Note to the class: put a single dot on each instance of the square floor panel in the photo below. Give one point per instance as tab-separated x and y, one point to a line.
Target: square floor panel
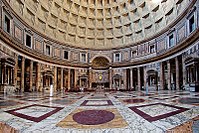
157	111
83	119
34	112
97	103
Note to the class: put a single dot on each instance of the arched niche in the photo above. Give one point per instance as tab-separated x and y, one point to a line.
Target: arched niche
100	62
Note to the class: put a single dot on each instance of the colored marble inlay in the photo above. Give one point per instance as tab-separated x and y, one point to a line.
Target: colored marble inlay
5	128
189	100
98	97
87	119
73	97
34	112
182	94
8	103
136	100
97	103
192	126
154	112
62	101
164	97
93	117
16	97
144	94
34	98
127	96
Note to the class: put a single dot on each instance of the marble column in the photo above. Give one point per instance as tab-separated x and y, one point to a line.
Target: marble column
12	76
90	78
139	81
22	73
62	78
68	79
76	77
132	82
38	77
8	76
15	71
196	70
65	78
124	79
4	74
145	77
162	76
131	78
55	79
31	74
183	71
177	74
110	78
169	74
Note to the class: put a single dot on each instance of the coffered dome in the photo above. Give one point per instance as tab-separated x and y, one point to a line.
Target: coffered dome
99	24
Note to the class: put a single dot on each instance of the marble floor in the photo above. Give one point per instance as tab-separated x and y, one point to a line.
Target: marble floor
107	112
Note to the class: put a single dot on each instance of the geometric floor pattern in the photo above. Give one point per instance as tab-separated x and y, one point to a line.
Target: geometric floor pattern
128	112
34	112
151	112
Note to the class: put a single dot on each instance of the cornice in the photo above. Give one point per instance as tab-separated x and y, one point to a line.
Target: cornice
22	49
29	52
179	47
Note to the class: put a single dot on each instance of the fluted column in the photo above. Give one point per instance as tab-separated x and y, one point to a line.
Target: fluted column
76	77
162	75
22	73
8	76
4	75
62	78
90	77
132	81
169	74
15	71
31	74
110	78
139	81
68	79
124	79
177	74
145	77
55	79
12	76
131	78
183	71
38	77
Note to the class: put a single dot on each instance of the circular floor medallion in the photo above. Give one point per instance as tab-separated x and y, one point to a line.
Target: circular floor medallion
93	117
